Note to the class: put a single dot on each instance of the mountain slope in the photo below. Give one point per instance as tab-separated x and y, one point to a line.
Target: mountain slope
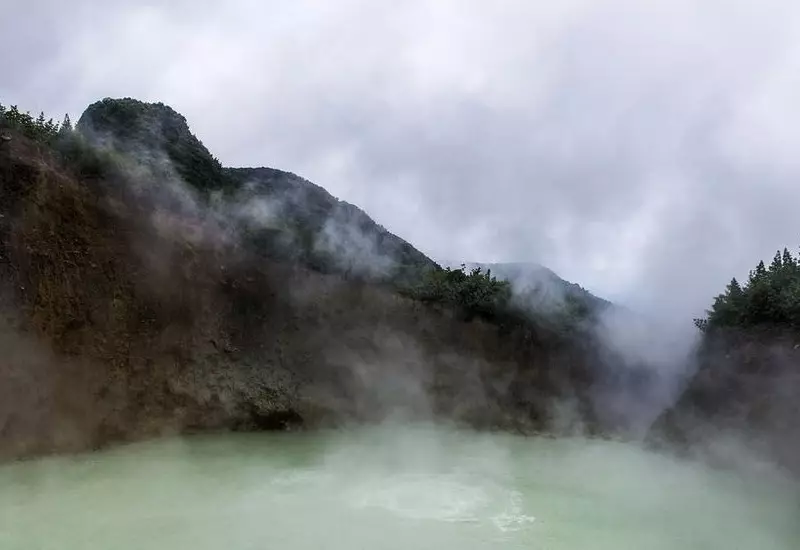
745	391
303	221
283	215
140	295
541	290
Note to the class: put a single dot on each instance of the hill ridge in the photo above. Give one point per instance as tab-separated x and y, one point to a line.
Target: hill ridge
321	225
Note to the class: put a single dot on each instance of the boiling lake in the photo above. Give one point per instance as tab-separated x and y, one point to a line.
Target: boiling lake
389	488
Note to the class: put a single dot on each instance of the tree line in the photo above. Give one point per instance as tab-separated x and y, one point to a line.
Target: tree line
62	138
473	293
41	129
476	293
769	298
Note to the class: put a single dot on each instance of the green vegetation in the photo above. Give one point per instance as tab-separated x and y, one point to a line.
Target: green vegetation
141	129
769	298
478	293
541	289
474	293
61	139
39	129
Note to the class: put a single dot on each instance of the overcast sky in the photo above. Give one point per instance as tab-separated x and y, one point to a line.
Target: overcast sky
647	150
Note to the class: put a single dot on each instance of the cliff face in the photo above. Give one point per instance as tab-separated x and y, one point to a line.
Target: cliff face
745	394
135	304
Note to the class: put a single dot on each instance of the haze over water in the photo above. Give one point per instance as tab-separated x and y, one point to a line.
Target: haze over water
392	488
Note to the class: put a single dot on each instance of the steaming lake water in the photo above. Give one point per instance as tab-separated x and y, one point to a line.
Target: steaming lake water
388	488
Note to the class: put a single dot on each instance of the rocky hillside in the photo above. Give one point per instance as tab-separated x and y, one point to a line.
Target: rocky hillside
145	289
742	405
744	400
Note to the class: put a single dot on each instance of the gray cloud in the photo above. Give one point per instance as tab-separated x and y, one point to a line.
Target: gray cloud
644	150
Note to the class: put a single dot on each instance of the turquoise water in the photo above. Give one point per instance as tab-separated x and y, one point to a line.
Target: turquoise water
392	488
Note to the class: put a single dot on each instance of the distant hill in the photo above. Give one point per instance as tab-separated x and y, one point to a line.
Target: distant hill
542	288
309	224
